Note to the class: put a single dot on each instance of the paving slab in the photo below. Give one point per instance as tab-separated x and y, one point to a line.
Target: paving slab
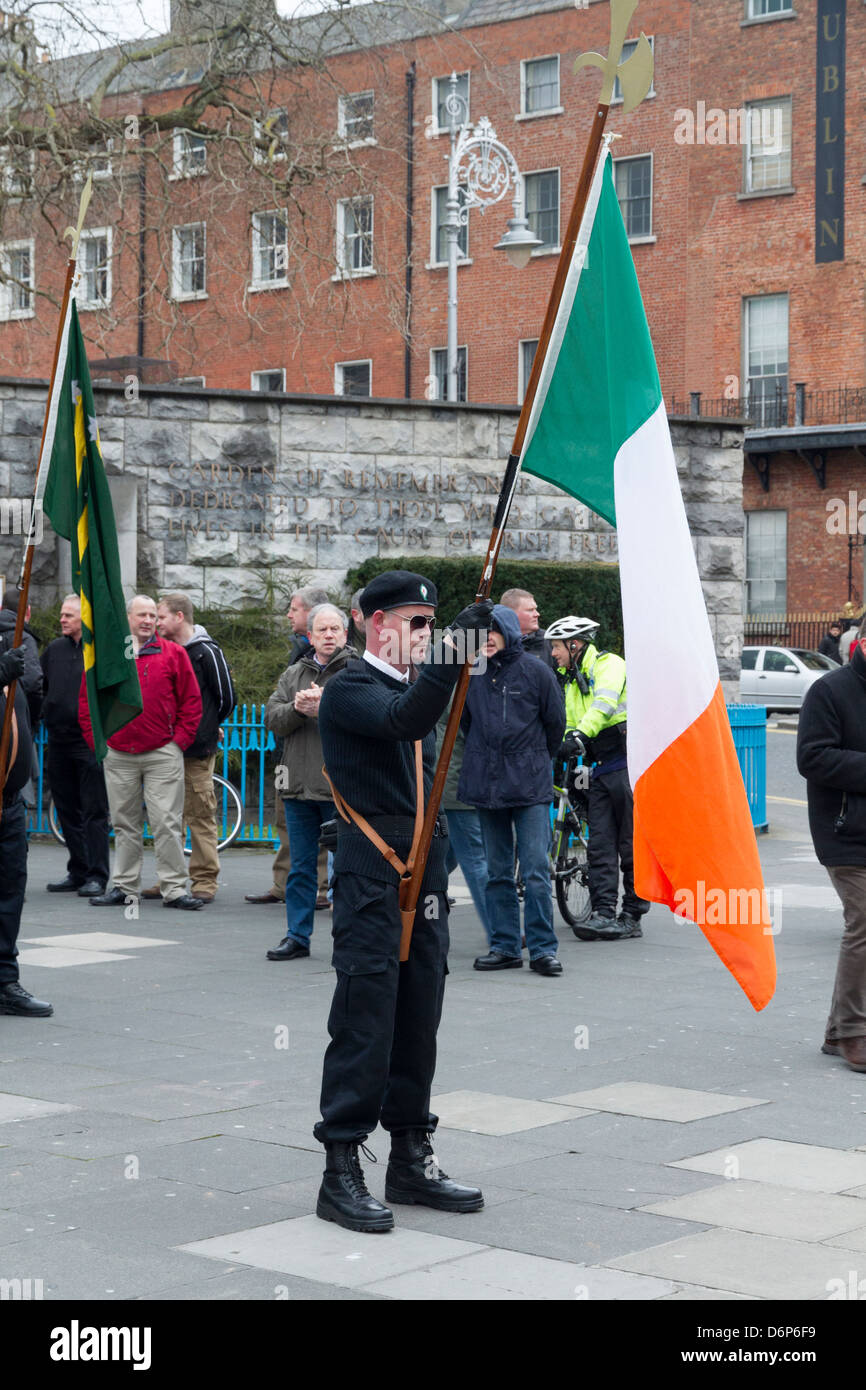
653	1102
230	1164
320	1250
601	1178
76	1266
767	1209
507	1275
98	941
259	1286
60	957
739	1262
484	1113
14	1107
807	1166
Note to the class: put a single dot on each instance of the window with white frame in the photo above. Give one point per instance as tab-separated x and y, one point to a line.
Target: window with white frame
197	381
439	221
765	353
759	9
353	378
274	379
527	349
94	263
628	49
97	162
270	133
439	373
16	171
634	189
766	562
767	151
188	269
541	191
16	280
355	236
189	154
441	91
355	117
539	85
270	250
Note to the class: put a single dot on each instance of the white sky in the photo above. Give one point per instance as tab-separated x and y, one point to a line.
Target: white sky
67	26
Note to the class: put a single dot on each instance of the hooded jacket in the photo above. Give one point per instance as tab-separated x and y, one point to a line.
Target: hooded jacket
31	682
831	755
218	697
514	719
302	748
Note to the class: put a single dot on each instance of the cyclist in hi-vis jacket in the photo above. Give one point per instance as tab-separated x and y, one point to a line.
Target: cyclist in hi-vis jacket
595	711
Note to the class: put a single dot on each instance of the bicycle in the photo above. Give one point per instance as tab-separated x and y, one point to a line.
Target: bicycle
230	815
567	854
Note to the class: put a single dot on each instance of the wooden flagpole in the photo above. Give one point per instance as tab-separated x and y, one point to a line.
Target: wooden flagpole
635	76
27	564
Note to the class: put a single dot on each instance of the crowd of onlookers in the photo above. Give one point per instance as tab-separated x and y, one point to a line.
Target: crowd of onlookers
497	796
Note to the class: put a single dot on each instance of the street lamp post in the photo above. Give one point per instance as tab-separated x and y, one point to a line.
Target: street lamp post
486	168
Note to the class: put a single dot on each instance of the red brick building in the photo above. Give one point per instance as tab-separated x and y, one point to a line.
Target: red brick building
741	179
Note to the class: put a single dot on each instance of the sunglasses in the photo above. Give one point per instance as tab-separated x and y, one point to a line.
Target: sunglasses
417	621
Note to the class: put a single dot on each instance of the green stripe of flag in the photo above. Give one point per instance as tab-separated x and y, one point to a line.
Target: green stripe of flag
603	383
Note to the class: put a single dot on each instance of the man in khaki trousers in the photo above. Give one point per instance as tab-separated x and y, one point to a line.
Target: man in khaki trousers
174	623
144	764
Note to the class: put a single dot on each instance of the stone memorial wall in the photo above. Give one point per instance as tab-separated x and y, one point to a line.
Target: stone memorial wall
232	495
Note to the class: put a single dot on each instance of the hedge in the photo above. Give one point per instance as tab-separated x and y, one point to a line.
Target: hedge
588	590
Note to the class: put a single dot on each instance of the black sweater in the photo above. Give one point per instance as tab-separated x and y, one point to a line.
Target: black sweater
62	669
368	722
831	755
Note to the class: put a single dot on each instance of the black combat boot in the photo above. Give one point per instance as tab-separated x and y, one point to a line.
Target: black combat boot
414	1177
343	1196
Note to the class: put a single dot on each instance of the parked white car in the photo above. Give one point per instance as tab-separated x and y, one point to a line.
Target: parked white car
779	677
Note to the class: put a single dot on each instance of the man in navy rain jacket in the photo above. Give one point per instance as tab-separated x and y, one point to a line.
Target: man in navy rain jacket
514	720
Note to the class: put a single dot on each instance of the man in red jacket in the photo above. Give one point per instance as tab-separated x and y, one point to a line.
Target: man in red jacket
144	763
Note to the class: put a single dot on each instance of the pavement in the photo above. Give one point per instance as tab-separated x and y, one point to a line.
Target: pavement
640	1133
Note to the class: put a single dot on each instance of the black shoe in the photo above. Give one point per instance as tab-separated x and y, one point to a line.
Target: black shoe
15	1000
597	923
91	889
546	965
343	1196
186	902
414	1177
69	885
115	897
627	924
288	949
495	960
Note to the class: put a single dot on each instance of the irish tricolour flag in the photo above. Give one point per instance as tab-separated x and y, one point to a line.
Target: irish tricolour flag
599	430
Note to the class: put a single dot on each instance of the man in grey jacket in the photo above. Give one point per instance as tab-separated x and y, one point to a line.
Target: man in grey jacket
293	712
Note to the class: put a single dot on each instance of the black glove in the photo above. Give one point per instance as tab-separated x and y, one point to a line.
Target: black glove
572	746
475	618
12	665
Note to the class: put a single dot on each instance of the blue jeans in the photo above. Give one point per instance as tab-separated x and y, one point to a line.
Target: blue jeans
467	848
303	819
531	824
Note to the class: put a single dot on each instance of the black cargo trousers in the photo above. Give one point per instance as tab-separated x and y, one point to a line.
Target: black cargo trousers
384	1016
611	837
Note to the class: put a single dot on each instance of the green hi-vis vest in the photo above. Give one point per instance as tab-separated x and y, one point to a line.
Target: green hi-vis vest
604	704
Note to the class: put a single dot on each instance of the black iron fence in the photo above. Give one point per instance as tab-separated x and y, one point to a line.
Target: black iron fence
843	405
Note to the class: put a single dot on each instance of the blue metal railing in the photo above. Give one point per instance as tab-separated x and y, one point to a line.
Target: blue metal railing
244	734
749	728
241	759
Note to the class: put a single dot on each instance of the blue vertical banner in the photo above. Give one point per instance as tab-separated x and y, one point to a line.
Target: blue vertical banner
830	132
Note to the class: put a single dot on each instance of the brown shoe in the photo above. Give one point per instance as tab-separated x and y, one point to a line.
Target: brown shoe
152	892
322	903
830	1047
854	1052
263	898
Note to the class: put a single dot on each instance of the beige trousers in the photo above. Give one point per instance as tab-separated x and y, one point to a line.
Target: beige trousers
199	813
157	779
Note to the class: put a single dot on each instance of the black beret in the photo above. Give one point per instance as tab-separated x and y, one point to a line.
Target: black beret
396	587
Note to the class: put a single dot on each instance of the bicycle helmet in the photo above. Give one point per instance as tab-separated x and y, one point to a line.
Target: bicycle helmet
569	629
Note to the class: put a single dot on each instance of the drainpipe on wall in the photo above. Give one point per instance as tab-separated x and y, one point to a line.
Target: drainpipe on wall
142	276
410	158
